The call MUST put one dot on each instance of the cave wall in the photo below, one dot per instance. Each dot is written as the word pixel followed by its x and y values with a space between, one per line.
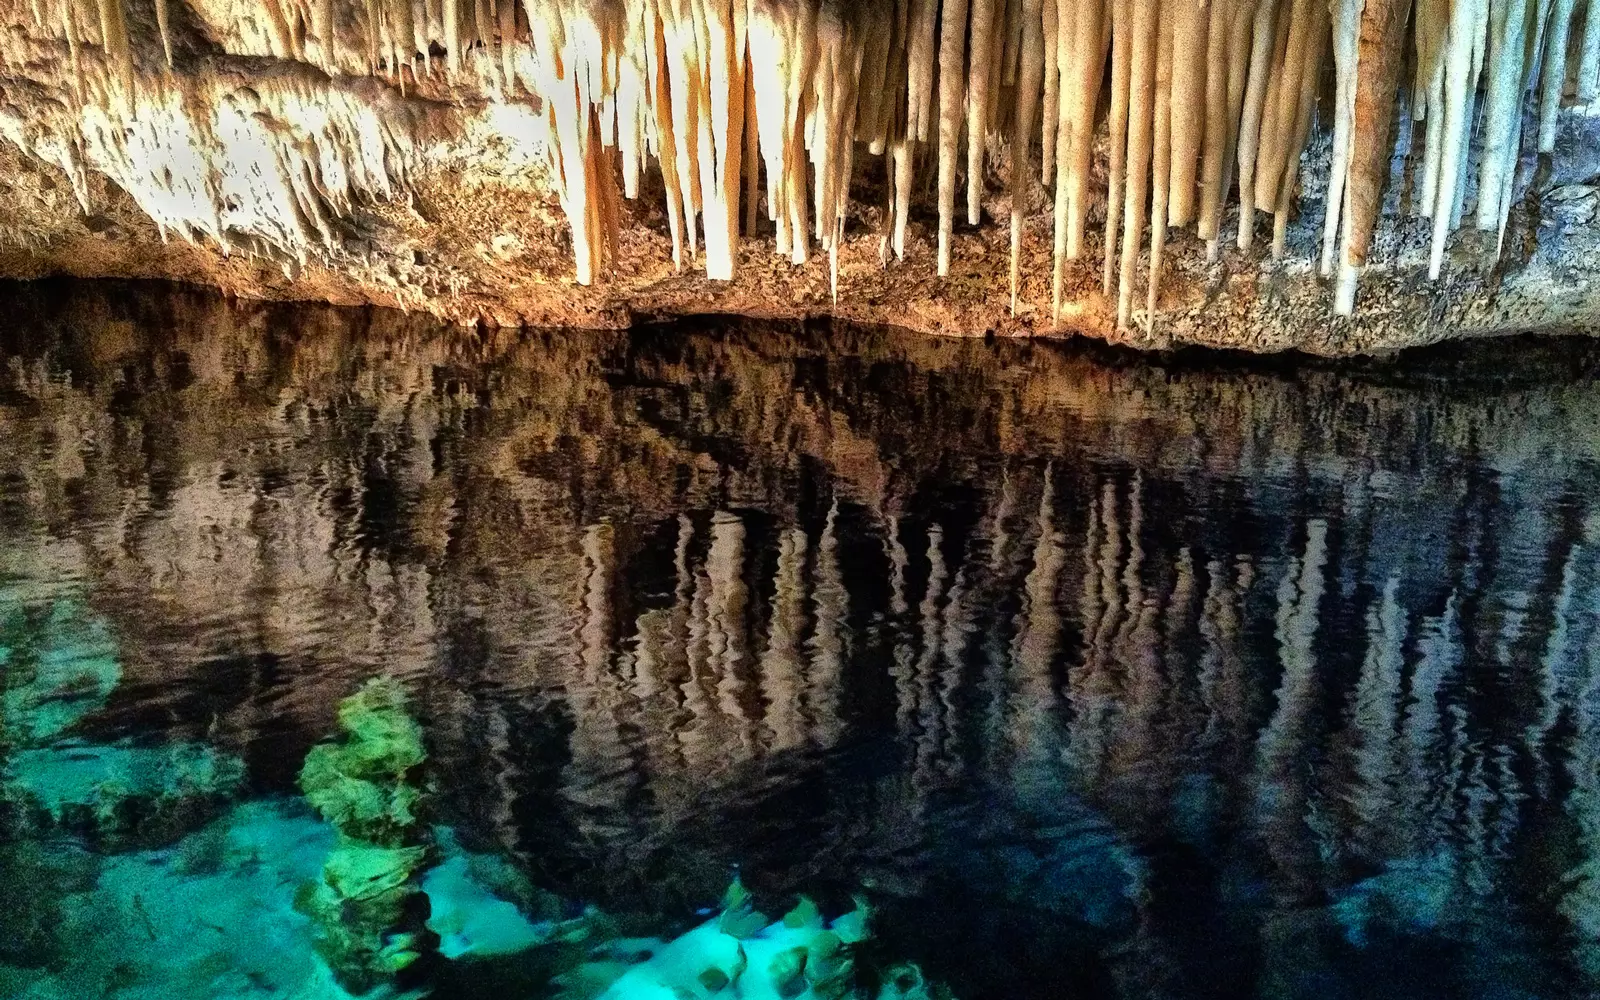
pixel 502 164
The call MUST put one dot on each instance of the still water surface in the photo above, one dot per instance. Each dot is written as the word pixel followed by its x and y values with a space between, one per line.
pixel 1101 677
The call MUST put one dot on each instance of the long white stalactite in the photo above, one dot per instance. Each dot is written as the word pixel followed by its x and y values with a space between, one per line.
pixel 1209 106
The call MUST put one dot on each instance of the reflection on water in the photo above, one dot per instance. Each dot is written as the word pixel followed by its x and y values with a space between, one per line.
pixel 1106 679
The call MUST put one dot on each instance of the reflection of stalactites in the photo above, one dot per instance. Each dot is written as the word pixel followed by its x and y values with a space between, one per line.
pixel 1107 565
pixel 782 677
pixel 698 737
pixel 729 648
pixel 1001 539
pixel 1570 632
pixel 1299 596
pixel 939 684
pixel 996 685
pixel 1090 607
pixel 1033 732
pixel 594 693
pixel 898 560
pixel 1136 753
pixel 1581 903
pixel 901 669
pixel 1374 725
pixel 594 638
pixel 1132 570
pixel 940 711
pixel 504 775
pixel 1282 747
pixel 1092 687
pixel 1178 642
pixel 1222 676
pixel 913 710
pixel 1477 860
pixel 1424 787
pixel 660 670
pixel 831 606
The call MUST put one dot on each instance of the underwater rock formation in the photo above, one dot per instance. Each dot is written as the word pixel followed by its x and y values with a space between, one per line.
pixel 1381 173
pixel 369 907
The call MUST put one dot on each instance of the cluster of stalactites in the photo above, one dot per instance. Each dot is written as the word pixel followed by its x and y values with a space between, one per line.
pixel 1205 97
pixel 271 168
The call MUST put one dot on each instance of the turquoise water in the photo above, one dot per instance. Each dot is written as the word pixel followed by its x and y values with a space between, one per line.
pixel 980 670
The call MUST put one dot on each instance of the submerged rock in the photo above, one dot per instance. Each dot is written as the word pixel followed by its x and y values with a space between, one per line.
pixel 57 665
pixel 120 792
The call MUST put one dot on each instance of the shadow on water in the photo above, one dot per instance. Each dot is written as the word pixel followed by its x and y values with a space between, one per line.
pixel 1103 676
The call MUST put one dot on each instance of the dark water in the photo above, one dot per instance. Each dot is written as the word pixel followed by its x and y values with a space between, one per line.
pixel 1104 677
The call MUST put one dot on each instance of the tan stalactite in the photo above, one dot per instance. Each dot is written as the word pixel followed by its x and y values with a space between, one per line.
pixel 1263 31
pixel 1121 56
pixel 114 40
pixel 981 41
pixel 1030 74
pixel 1214 149
pixel 1141 127
pixel 1083 98
pixel 1161 165
pixel 1310 68
pixel 1191 37
pixel 952 104
pixel 165 28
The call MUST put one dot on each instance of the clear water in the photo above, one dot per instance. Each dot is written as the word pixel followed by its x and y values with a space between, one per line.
pixel 1101 677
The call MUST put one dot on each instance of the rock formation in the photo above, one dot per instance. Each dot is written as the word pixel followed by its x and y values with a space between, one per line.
pixel 1421 166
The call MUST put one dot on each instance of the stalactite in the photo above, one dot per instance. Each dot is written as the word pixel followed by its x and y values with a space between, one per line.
pixel 1301 104
pixel 1346 42
pixel 1121 56
pixel 1589 55
pixel 1031 72
pixel 506 16
pixel 1141 126
pixel 114 39
pixel 952 100
pixel 1084 96
pixel 451 14
pixel 165 29
pixel 1191 37
pixel 1050 109
pixel 1263 30
pixel 1377 79
pixel 1214 149
pixel 1161 165
pixel 980 42
pixel 1553 72
pixel 1432 19
pixel 1239 55
pixel 1508 41
pixel 1460 71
